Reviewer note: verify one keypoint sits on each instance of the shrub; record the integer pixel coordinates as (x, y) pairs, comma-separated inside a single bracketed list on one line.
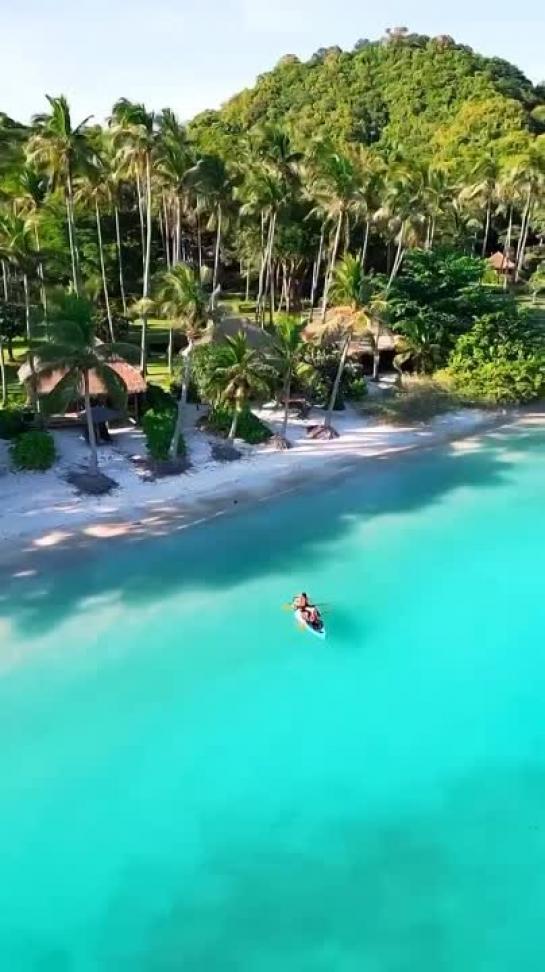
[(501, 360), (250, 428), (33, 450), (159, 428), (13, 421), (356, 388), (419, 400)]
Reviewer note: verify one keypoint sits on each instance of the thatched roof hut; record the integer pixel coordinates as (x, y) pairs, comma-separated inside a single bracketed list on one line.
[(48, 381), (338, 320), (231, 326), (501, 262)]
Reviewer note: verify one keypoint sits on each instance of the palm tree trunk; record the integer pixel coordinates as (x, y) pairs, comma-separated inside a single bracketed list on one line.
[(199, 239), (182, 401), (507, 249), (365, 245), (486, 229), (93, 462), (71, 244), (287, 393), (5, 281), (523, 237), (103, 272), (145, 288), (347, 234), (141, 215), (170, 349), (376, 354), (317, 265), (398, 259), (120, 260), (331, 266), (337, 383), (247, 283), (217, 252), (41, 272), (178, 230), (166, 239), (72, 232), (3, 375)]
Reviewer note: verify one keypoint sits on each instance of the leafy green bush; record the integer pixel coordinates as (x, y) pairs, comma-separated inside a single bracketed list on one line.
[(501, 360), (356, 388), (33, 450), (250, 428), (159, 428), (13, 421)]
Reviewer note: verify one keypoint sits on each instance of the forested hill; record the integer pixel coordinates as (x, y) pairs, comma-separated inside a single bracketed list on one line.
[(406, 89)]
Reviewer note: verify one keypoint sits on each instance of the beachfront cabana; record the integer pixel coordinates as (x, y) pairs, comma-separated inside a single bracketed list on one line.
[(501, 263), (46, 382), (338, 321)]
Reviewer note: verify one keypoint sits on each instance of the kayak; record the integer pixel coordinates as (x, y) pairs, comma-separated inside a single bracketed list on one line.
[(317, 632)]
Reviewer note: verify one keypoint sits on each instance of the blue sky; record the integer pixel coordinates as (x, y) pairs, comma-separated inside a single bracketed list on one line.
[(193, 55)]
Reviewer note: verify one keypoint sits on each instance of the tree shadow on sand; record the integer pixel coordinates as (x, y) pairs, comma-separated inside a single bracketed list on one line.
[(161, 556)]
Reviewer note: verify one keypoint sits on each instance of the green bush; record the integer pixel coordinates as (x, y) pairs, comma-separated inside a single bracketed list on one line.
[(356, 388), (159, 429), (13, 421), (249, 428), (33, 450), (500, 361)]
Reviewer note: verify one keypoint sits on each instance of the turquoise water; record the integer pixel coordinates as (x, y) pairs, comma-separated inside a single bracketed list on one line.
[(187, 782)]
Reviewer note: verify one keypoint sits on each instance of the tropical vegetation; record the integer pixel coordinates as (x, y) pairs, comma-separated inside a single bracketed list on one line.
[(377, 181)]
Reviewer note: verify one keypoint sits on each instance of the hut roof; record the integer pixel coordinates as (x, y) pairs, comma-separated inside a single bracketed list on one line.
[(501, 262), (230, 326), (338, 320), (47, 381)]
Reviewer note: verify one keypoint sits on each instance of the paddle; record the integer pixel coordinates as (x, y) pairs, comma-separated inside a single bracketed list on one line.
[(321, 604)]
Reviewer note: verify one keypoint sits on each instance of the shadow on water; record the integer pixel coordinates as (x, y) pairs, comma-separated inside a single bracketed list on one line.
[(49, 583), (454, 885)]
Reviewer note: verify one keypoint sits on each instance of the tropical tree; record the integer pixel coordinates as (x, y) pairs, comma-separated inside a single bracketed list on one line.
[(72, 347), (239, 373), (63, 151), (210, 180), (29, 201), (134, 133), (182, 299), (288, 361)]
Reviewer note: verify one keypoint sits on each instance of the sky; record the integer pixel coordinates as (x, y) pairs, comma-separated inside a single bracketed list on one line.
[(191, 55)]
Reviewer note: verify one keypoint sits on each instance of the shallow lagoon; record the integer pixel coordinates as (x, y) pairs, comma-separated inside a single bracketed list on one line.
[(189, 782)]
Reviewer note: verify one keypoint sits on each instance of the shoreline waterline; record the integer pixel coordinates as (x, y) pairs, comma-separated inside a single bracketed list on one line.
[(75, 535)]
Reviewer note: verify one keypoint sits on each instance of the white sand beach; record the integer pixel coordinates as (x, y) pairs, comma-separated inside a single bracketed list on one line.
[(43, 509)]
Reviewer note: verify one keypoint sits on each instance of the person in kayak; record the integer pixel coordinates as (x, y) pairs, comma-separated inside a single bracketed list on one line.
[(308, 611)]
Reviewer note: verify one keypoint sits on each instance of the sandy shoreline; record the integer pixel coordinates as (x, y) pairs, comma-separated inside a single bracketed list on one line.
[(41, 513)]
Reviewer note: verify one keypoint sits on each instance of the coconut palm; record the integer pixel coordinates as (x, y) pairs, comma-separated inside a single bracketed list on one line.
[(182, 299), (30, 199), (73, 348), (62, 150), (135, 136), (486, 174), (174, 160), (288, 361), (95, 192), (18, 250), (209, 179), (239, 373), (334, 186), (264, 191), (351, 287)]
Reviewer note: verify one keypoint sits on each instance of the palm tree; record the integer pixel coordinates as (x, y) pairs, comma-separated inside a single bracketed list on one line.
[(134, 133), (73, 347), (17, 249), (95, 192), (264, 192), (351, 287), (288, 360), (240, 372), (62, 151), (182, 299), (334, 186), (29, 202), (173, 163), (210, 180), (487, 173)]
